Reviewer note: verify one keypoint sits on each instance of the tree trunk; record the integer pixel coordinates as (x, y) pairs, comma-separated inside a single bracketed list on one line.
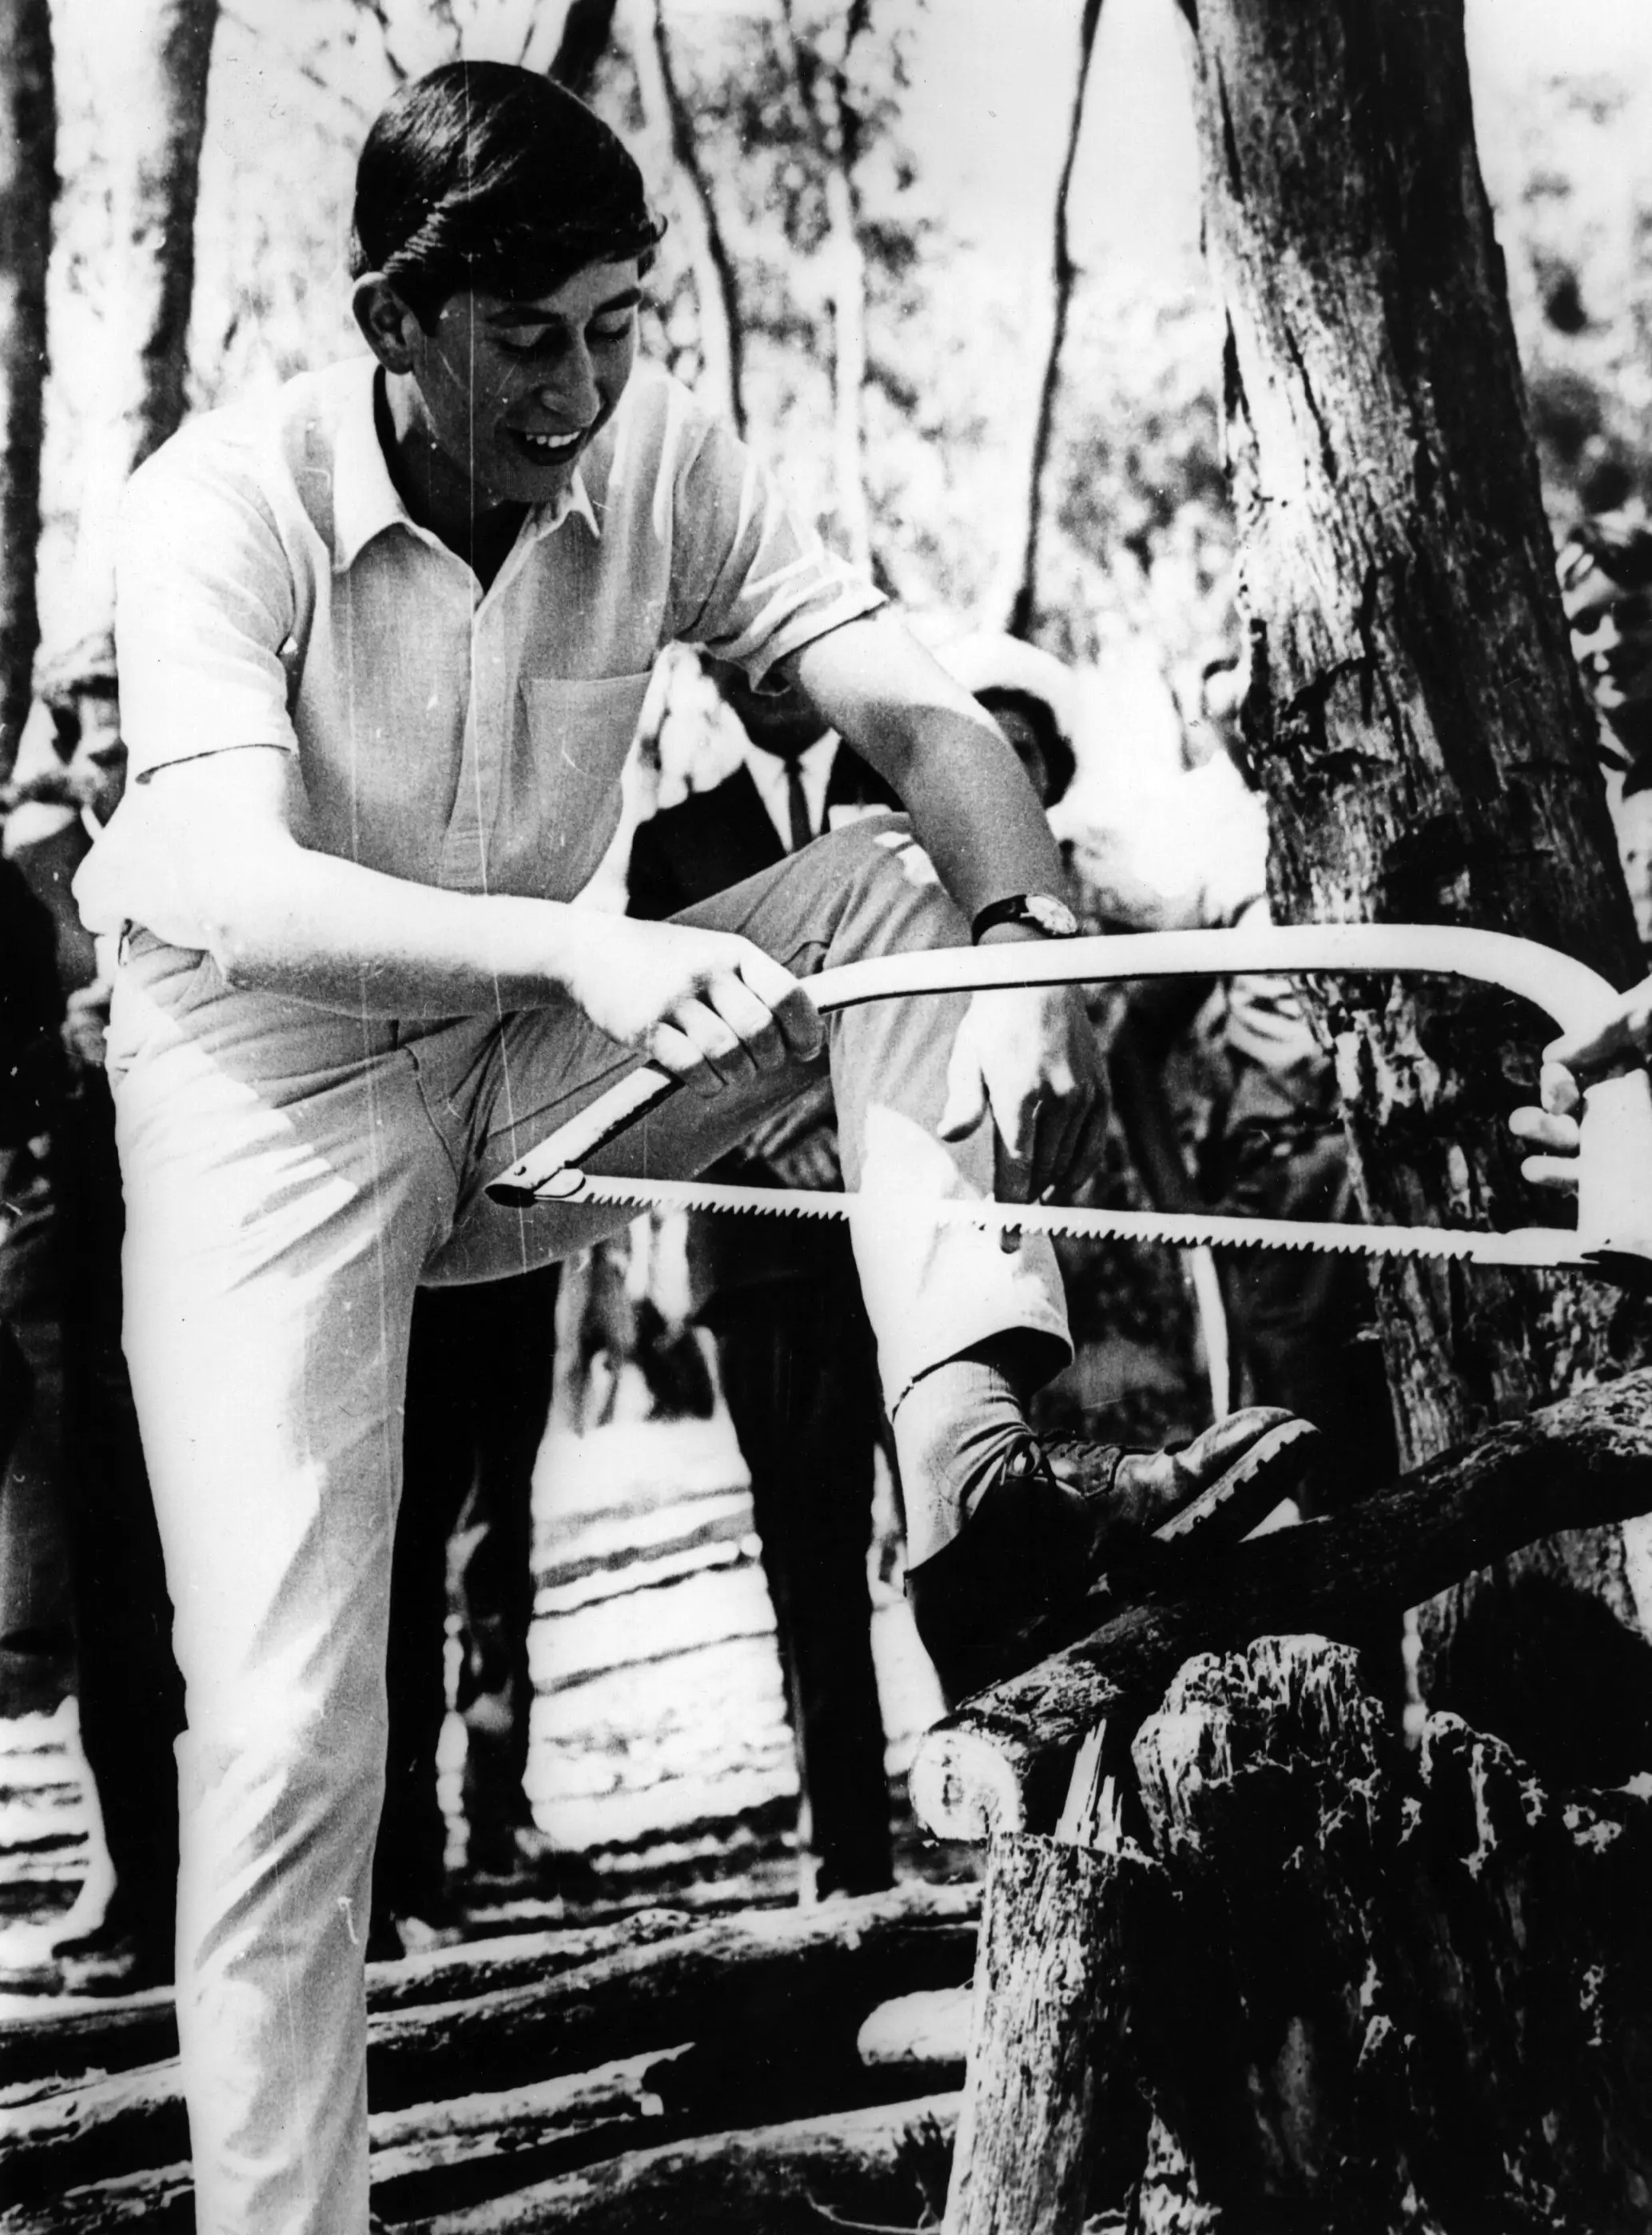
[(716, 289), (835, 128), (1414, 713), (1023, 605), (586, 29), (28, 188), (153, 61)]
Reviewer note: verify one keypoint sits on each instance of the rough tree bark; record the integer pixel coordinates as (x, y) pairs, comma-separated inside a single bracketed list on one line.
[(1023, 605), (1414, 714), (1374, 1990), (155, 55), (28, 188), (716, 286), (1045, 2041)]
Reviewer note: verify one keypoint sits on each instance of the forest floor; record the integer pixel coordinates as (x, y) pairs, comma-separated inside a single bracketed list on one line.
[(660, 1751)]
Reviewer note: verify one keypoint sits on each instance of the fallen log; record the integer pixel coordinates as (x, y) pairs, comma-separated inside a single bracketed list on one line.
[(131, 2030), (885, 2166), (1372, 1992), (742, 1979), (426, 2156), (438, 2156), (930, 2029), (736, 1978), (163, 2202), (1003, 1760)]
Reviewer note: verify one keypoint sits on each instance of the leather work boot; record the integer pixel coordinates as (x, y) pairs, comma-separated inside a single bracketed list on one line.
[(1063, 1511)]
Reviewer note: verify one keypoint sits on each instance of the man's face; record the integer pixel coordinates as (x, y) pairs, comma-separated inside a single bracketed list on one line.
[(1612, 627), (509, 393), (1611, 641)]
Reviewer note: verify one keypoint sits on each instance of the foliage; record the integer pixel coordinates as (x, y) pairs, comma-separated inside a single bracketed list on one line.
[(1139, 542), (1576, 221)]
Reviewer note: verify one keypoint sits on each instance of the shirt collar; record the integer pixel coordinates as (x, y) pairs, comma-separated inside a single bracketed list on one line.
[(365, 501)]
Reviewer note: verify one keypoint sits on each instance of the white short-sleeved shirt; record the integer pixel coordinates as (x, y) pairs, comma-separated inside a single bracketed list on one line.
[(272, 590)]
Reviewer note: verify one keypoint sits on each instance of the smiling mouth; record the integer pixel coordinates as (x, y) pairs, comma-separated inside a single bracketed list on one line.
[(549, 446)]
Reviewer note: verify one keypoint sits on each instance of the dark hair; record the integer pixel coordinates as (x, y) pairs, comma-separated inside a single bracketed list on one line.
[(1620, 547), (480, 175), (1058, 761)]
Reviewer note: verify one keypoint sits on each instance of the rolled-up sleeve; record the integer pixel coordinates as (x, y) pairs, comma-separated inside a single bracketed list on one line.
[(205, 601), (749, 582)]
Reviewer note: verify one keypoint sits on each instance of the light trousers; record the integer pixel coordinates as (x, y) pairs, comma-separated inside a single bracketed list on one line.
[(292, 1177)]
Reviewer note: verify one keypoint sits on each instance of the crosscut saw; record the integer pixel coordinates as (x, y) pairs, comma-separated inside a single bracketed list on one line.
[(1613, 1234)]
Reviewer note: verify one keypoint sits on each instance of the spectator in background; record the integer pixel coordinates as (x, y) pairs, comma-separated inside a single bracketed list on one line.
[(480, 1364), (795, 1349), (1301, 1323), (1029, 694), (1605, 570), (60, 1276)]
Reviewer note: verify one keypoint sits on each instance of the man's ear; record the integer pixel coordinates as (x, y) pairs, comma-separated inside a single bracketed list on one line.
[(389, 326)]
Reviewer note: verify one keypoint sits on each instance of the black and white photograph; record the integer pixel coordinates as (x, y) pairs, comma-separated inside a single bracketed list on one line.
[(825, 1116)]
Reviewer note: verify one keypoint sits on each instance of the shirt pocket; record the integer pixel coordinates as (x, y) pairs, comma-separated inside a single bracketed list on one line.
[(566, 789)]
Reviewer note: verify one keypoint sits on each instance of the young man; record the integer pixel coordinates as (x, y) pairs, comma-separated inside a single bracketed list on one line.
[(383, 642)]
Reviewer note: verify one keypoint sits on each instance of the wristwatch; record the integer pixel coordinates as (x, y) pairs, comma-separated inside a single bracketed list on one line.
[(1040, 911)]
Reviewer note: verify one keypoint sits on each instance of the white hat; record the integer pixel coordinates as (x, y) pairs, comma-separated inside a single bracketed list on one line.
[(988, 660)]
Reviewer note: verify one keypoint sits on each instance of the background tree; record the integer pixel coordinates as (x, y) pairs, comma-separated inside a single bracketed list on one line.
[(28, 186), (1064, 278), (1414, 713), (132, 247), (719, 327)]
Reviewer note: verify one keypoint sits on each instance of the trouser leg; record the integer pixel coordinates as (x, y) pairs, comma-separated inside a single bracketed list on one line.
[(284, 1187), (800, 1381)]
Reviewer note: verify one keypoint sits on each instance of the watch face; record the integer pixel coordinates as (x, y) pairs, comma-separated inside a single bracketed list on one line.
[(1051, 915)]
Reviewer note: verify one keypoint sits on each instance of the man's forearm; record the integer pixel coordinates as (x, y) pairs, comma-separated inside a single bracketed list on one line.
[(354, 939), (972, 810), (277, 915)]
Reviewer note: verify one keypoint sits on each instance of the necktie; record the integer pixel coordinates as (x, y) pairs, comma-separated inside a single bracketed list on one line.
[(797, 806)]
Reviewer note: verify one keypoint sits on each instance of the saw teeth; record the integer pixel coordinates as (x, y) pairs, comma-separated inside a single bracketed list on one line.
[(1172, 1230)]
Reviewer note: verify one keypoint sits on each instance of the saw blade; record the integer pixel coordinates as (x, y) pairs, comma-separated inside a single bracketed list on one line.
[(1535, 1245)]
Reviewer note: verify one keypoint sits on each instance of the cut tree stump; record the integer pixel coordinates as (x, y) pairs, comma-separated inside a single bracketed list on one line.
[(1370, 1993), (1004, 1760), (1044, 2049)]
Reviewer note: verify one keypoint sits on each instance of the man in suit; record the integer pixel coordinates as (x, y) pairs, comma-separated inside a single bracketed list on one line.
[(794, 1346)]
